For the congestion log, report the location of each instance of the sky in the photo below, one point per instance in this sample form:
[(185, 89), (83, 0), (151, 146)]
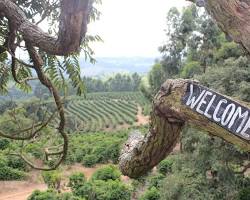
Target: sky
[(131, 27)]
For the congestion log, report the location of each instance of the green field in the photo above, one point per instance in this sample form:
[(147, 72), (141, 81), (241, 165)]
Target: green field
[(104, 111)]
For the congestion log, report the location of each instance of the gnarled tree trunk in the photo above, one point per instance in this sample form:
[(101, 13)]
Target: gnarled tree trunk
[(179, 102)]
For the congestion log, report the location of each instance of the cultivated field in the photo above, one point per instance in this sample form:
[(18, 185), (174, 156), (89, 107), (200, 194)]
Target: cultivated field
[(105, 111)]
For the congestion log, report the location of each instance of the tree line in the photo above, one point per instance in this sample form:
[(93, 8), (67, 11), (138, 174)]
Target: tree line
[(117, 83)]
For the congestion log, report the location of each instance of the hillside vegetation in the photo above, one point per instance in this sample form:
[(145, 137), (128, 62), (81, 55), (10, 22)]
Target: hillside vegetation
[(91, 130), (105, 111)]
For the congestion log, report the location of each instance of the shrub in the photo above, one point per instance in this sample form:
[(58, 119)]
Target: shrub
[(48, 195), (76, 180), (52, 179), (109, 172), (69, 196), (190, 69), (244, 194), (9, 174), (110, 190), (3, 161), (89, 160), (165, 166), (151, 194), (35, 149), (155, 181), (85, 191), (4, 143), (17, 163)]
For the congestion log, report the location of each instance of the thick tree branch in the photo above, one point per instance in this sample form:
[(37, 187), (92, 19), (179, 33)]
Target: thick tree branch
[(72, 28), (142, 153), (232, 16)]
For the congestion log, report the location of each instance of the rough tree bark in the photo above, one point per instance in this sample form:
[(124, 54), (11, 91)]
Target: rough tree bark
[(142, 153), (73, 26), (232, 16), (74, 16)]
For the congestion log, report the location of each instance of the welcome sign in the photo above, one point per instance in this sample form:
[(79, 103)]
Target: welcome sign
[(219, 109)]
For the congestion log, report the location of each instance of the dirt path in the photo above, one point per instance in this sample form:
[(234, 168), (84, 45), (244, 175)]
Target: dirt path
[(21, 190), (88, 172), (141, 119), (18, 190)]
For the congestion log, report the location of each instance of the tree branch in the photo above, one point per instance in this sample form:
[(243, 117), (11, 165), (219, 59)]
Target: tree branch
[(33, 132), (232, 16), (73, 26), (169, 114), (38, 63)]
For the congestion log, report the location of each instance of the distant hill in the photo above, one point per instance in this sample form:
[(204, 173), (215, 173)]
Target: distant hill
[(110, 65)]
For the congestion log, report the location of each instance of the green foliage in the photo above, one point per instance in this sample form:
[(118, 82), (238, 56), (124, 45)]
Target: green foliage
[(52, 179), (89, 160), (4, 143), (244, 194), (7, 173), (48, 195), (200, 172), (91, 149), (85, 191), (76, 180), (10, 174), (145, 88), (69, 196), (183, 185), (228, 50), (4, 78), (151, 194), (156, 77), (106, 173), (7, 105), (230, 78), (105, 184), (117, 83), (52, 195), (155, 180), (190, 69), (110, 190), (17, 163), (55, 69), (165, 166), (35, 150)]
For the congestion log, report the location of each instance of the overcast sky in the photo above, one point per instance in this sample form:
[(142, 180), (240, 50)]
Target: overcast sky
[(132, 27)]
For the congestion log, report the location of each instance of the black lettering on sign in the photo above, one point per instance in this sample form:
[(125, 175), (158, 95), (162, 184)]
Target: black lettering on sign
[(219, 109)]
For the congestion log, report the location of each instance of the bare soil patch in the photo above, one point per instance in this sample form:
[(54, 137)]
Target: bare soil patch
[(141, 119), (21, 190)]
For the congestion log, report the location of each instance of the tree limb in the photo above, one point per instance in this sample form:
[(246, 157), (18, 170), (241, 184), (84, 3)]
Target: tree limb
[(169, 114), (38, 63), (72, 28), (33, 133), (232, 16)]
